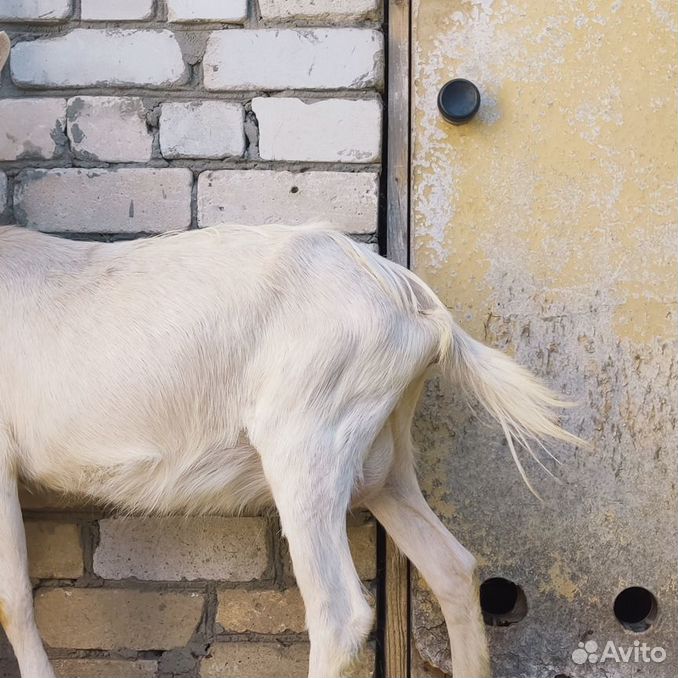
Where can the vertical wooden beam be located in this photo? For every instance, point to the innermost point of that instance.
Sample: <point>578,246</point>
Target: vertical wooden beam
<point>396,624</point>
<point>398,133</point>
<point>397,627</point>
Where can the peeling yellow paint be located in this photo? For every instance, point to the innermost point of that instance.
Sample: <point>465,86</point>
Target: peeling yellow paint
<point>566,181</point>
<point>560,582</point>
<point>548,225</point>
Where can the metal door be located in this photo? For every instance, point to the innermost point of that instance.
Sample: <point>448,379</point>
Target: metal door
<point>548,226</point>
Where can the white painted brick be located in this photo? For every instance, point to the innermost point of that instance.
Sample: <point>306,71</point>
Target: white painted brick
<point>104,201</point>
<point>170,549</point>
<point>29,128</point>
<point>88,57</point>
<point>321,10</point>
<point>109,129</point>
<point>202,129</point>
<point>330,130</point>
<point>116,10</point>
<point>233,11</point>
<point>277,59</point>
<point>34,10</point>
<point>3,192</point>
<point>348,200</point>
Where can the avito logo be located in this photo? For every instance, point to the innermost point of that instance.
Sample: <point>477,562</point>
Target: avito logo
<point>639,653</point>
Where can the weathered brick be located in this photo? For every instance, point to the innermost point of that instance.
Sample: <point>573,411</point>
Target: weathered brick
<point>34,10</point>
<point>108,619</point>
<point>311,58</point>
<point>319,10</point>
<point>170,549</point>
<point>3,192</point>
<point>31,128</point>
<point>109,129</point>
<point>87,57</point>
<point>108,201</point>
<point>347,199</point>
<point>120,10</point>
<point>265,660</point>
<point>202,129</point>
<point>261,611</point>
<point>233,11</point>
<point>271,660</point>
<point>104,668</point>
<point>54,550</point>
<point>330,130</point>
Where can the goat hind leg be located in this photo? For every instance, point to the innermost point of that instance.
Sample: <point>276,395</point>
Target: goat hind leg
<point>312,498</point>
<point>16,599</point>
<point>448,568</point>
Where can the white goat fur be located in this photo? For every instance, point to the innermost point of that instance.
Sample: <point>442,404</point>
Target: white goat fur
<point>238,366</point>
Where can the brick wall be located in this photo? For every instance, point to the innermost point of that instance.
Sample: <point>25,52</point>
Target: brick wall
<point>120,118</point>
<point>206,596</point>
<point>190,113</point>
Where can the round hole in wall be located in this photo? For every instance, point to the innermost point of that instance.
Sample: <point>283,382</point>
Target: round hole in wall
<point>635,608</point>
<point>294,189</point>
<point>502,601</point>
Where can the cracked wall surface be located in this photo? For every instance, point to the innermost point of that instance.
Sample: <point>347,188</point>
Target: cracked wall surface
<point>548,226</point>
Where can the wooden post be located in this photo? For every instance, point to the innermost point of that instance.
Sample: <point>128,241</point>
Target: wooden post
<point>398,126</point>
<point>397,628</point>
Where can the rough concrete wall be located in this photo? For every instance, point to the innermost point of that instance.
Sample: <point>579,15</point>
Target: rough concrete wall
<point>119,119</point>
<point>548,225</point>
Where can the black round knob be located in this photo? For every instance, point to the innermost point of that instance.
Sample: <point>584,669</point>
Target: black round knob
<point>458,101</point>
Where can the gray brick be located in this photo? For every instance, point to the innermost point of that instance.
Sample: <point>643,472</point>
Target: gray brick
<point>277,59</point>
<point>329,130</point>
<point>104,201</point>
<point>318,10</point>
<point>349,200</point>
<point>259,660</point>
<point>261,611</point>
<point>202,129</point>
<point>30,128</point>
<point>170,549</point>
<point>116,10</point>
<point>35,10</point>
<point>87,57</point>
<point>109,129</point>
<point>233,11</point>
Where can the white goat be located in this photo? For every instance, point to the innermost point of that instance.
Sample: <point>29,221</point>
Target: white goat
<point>209,370</point>
<point>234,366</point>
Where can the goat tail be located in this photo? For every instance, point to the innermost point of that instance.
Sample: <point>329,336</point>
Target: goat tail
<point>523,406</point>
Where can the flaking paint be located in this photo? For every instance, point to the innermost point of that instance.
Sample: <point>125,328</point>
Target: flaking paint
<point>548,226</point>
